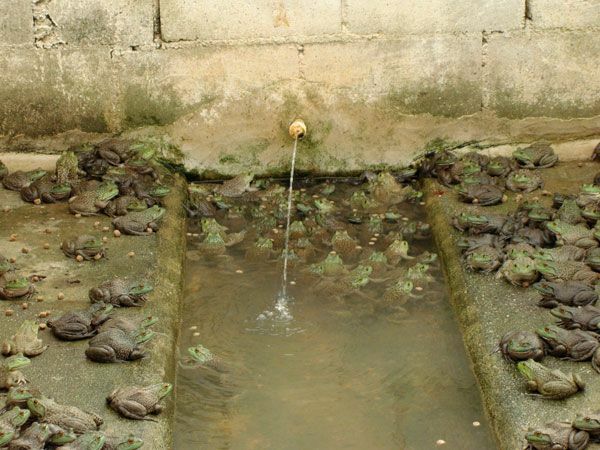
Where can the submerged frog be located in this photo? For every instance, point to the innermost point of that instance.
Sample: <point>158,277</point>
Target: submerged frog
<point>10,375</point>
<point>331,266</point>
<point>120,292</point>
<point>130,442</point>
<point>520,271</point>
<point>236,186</point>
<point>576,345</point>
<point>67,417</point>
<point>19,179</point>
<point>87,441</point>
<point>114,345</point>
<point>136,403</point>
<point>570,293</point>
<point>344,245</point>
<point>538,155</point>
<point>260,250</point>
<point>200,356</point>
<point>13,285</point>
<point>76,325</point>
<point>484,259</point>
<point>214,244</point>
<point>397,251</point>
<point>91,202</point>
<point>557,436</point>
<point>88,247</point>
<point>522,345</point>
<point>139,223</point>
<point>10,424</point>
<point>577,235</point>
<point>25,341</point>
<point>523,181</point>
<point>552,384</point>
<point>567,270</point>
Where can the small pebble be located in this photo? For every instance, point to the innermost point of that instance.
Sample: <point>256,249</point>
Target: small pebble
<point>54,218</point>
<point>117,233</point>
<point>374,239</point>
<point>42,326</point>
<point>78,215</point>
<point>96,223</point>
<point>332,252</point>
<point>105,228</point>
<point>535,199</point>
<point>580,164</point>
<point>97,256</point>
<point>475,201</point>
<point>189,234</point>
<point>48,231</point>
<point>405,219</point>
<point>131,254</point>
<point>358,247</point>
<point>8,312</point>
<point>6,209</point>
<point>35,279</point>
<point>422,203</point>
<point>37,201</point>
<point>518,198</point>
<point>24,305</point>
<point>12,260</point>
<point>440,442</point>
<point>376,235</point>
<point>60,296</point>
<point>25,250</point>
<point>104,239</point>
<point>280,226</point>
<point>239,271</point>
<point>418,288</point>
<point>476,424</point>
<point>196,334</point>
<point>193,327</point>
<point>504,198</point>
<point>293,283</point>
<point>149,230</point>
<point>46,246</point>
<point>195,234</point>
<point>12,238</point>
<point>44,314</point>
<point>371,243</point>
<point>315,196</point>
<point>546,193</point>
<point>79,258</point>
<point>39,298</point>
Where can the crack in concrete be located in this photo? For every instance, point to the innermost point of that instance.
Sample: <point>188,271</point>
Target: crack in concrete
<point>157,24</point>
<point>46,32</point>
<point>343,20</point>
<point>301,65</point>
<point>527,15</point>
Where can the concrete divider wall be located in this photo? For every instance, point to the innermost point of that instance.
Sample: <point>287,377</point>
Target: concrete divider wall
<point>355,67</point>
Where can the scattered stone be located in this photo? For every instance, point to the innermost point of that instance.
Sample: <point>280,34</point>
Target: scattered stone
<point>131,254</point>
<point>37,201</point>
<point>39,298</point>
<point>12,260</point>
<point>193,327</point>
<point>46,246</point>
<point>24,305</point>
<point>8,312</point>
<point>78,216</point>
<point>239,271</point>
<point>13,237</point>
<point>196,334</point>
<point>440,442</point>
<point>97,223</point>
<point>105,229</point>
<point>79,258</point>
<point>42,326</point>
<point>476,424</point>
<point>60,296</point>
<point>25,250</point>
<point>117,233</point>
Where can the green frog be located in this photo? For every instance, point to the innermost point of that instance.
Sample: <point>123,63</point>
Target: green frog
<point>10,424</point>
<point>569,293</point>
<point>3,170</point>
<point>578,235</point>
<point>130,442</point>
<point>523,180</point>
<point>76,325</point>
<point>139,223</point>
<point>591,213</point>
<point>87,441</point>
<point>325,206</point>
<point>592,258</point>
<point>13,285</point>
<point>88,247</point>
<point>557,436</point>
<point>482,194</point>
<point>122,206</point>
<point>347,285</point>
<point>34,437</point>
<point>25,341</point>
<point>331,266</point>
<point>576,345</point>
<point>200,356</point>
<point>513,251</point>
<point>136,403</point>
<point>589,423</point>
<point>137,328</point>
<point>10,374</point>
<point>344,245</point>
<point>397,251</point>
<point>585,318</point>
<point>378,262</point>
<point>538,155</point>
<point>522,345</point>
<point>67,417</point>
<point>19,179</point>
<point>399,292</point>
<point>235,187</point>
<point>261,250</point>
<point>305,249</point>
<point>360,200</point>
<point>500,166</point>
<point>114,150</point>
<point>569,213</point>
<point>198,203</point>
<point>552,384</point>
<point>588,194</point>
<point>479,223</point>
<point>67,168</point>
<point>45,190</point>
<point>560,254</point>
<point>5,266</point>
<point>91,202</point>
<point>521,271</point>
<point>484,259</point>
<point>297,230</point>
<point>567,270</point>
<point>61,437</point>
<point>115,345</point>
<point>214,244</point>
<point>210,225</point>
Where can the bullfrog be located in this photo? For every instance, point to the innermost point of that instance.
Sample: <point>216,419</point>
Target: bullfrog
<point>399,292</point>
<point>121,206</point>
<point>520,271</point>
<point>13,285</point>
<point>589,423</point>
<point>585,318</point>
<point>591,213</point>
<point>114,150</point>
<point>482,194</point>
<point>236,186</point>
<point>87,441</point>
<point>198,204</point>
<point>67,168</point>
<point>25,341</point>
<point>557,436</point>
<point>569,213</point>
<point>522,345</point>
<point>139,222</point>
<point>91,202</point>
<point>539,215</point>
<point>34,437</point>
<point>479,223</point>
<point>346,285</point>
<point>344,245</point>
<point>210,225</point>
<point>133,327</point>
<point>130,442</point>
<point>577,235</point>
<point>500,166</point>
<point>214,244</point>
<point>325,206</point>
<point>538,155</point>
<point>569,293</point>
<point>75,325</point>
<point>484,259</point>
<point>136,403</point>
<point>260,250</point>
<point>5,265</point>
<point>532,235</point>
<point>378,262</point>
<point>592,258</point>
<point>297,230</point>
<point>10,375</point>
<point>200,356</point>
<point>567,270</point>
<point>67,417</point>
<point>114,345</point>
<point>397,251</point>
<point>513,251</point>
<point>3,170</point>
<point>561,254</point>
<point>19,179</point>
<point>88,247</point>
<point>304,248</point>
<point>10,424</point>
<point>120,292</point>
<point>576,345</point>
<point>331,266</point>
<point>588,194</point>
<point>523,180</point>
<point>385,189</point>
<point>361,200</point>
<point>62,437</point>
<point>552,384</point>
<point>467,243</point>
<point>46,191</point>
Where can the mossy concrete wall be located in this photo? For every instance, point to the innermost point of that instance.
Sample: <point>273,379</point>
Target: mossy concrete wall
<point>375,80</point>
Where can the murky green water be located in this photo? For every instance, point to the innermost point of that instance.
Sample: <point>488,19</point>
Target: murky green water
<point>340,375</point>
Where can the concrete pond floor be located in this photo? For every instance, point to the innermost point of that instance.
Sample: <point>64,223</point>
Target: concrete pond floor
<point>63,372</point>
<point>487,308</point>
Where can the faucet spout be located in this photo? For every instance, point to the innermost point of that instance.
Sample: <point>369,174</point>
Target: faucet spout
<point>297,129</point>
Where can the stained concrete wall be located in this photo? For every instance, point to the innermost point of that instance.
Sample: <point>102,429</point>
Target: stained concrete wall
<point>377,79</point>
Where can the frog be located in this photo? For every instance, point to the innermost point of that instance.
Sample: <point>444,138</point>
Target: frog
<point>260,250</point>
<point>115,151</point>
<point>14,286</point>
<point>575,345</point>
<point>399,292</point>
<point>11,422</point>
<point>521,346</point>
<point>139,223</point>
<point>361,200</point>
<point>297,230</point>
<point>210,225</point>
<point>419,273</point>
<point>482,194</point>
<point>76,325</point>
<point>19,179</point>
<point>549,383</point>
<point>129,442</point>
<point>114,345</point>
<point>538,155</point>
<point>136,328</point>
<point>3,170</point>
<point>568,293</point>
<point>344,245</point>
<point>589,423</point>
<point>467,243</point>
<point>385,189</point>
<point>86,246</point>
<point>236,186</point>
<point>478,179</point>
<point>513,251</point>
<point>325,206</point>
<point>484,259</point>
<point>561,254</point>
<point>397,251</point>
<point>479,223</point>
<point>331,266</point>
<point>214,244</point>
<point>198,203</point>
<point>10,373</point>
<point>591,213</point>
<point>19,394</point>
<point>532,235</point>
<point>577,235</point>
<point>5,266</point>
<point>347,285</point>
<point>121,292</point>
<point>567,270</point>
<point>122,206</point>
<point>569,212</point>
<point>500,166</point>
<point>142,166</point>
<point>136,402</point>
<point>67,417</point>
<point>91,202</point>
<point>524,180</point>
<point>199,356</point>
<point>25,341</point>
<point>67,168</point>
<point>304,248</point>
<point>588,194</point>
<point>520,271</point>
<point>539,215</point>
<point>578,318</point>
<point>592,258</point>
<point>87,441</point>
<point>556,436</point>
<point>378,262</point>
<point>34,437</point>
<point>46,191</point>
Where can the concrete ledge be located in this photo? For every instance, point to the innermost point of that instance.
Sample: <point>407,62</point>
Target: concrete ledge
<point>569,14</point>
<point>16,23</point>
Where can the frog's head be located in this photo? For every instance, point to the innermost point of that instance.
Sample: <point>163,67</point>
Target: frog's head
<point>590,423</point>
<point>131,442</point>
<point>200,353</point>
<point>563,312</point>
<point>16,362</point>
<point>107,190</point>
<point>523,155</point>
<point>543,287</point>
<point>547,269</point>
<point>159,190</point>
<point>539,439</point>
<point>140,288</point>
<point>36,174</point>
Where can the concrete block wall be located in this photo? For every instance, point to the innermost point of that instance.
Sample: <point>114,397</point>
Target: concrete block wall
<point>508,67</point>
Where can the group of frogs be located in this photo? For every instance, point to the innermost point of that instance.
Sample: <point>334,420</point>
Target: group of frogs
<point>554,249</point>
<point>117,178</point>
<point>356,242</point>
